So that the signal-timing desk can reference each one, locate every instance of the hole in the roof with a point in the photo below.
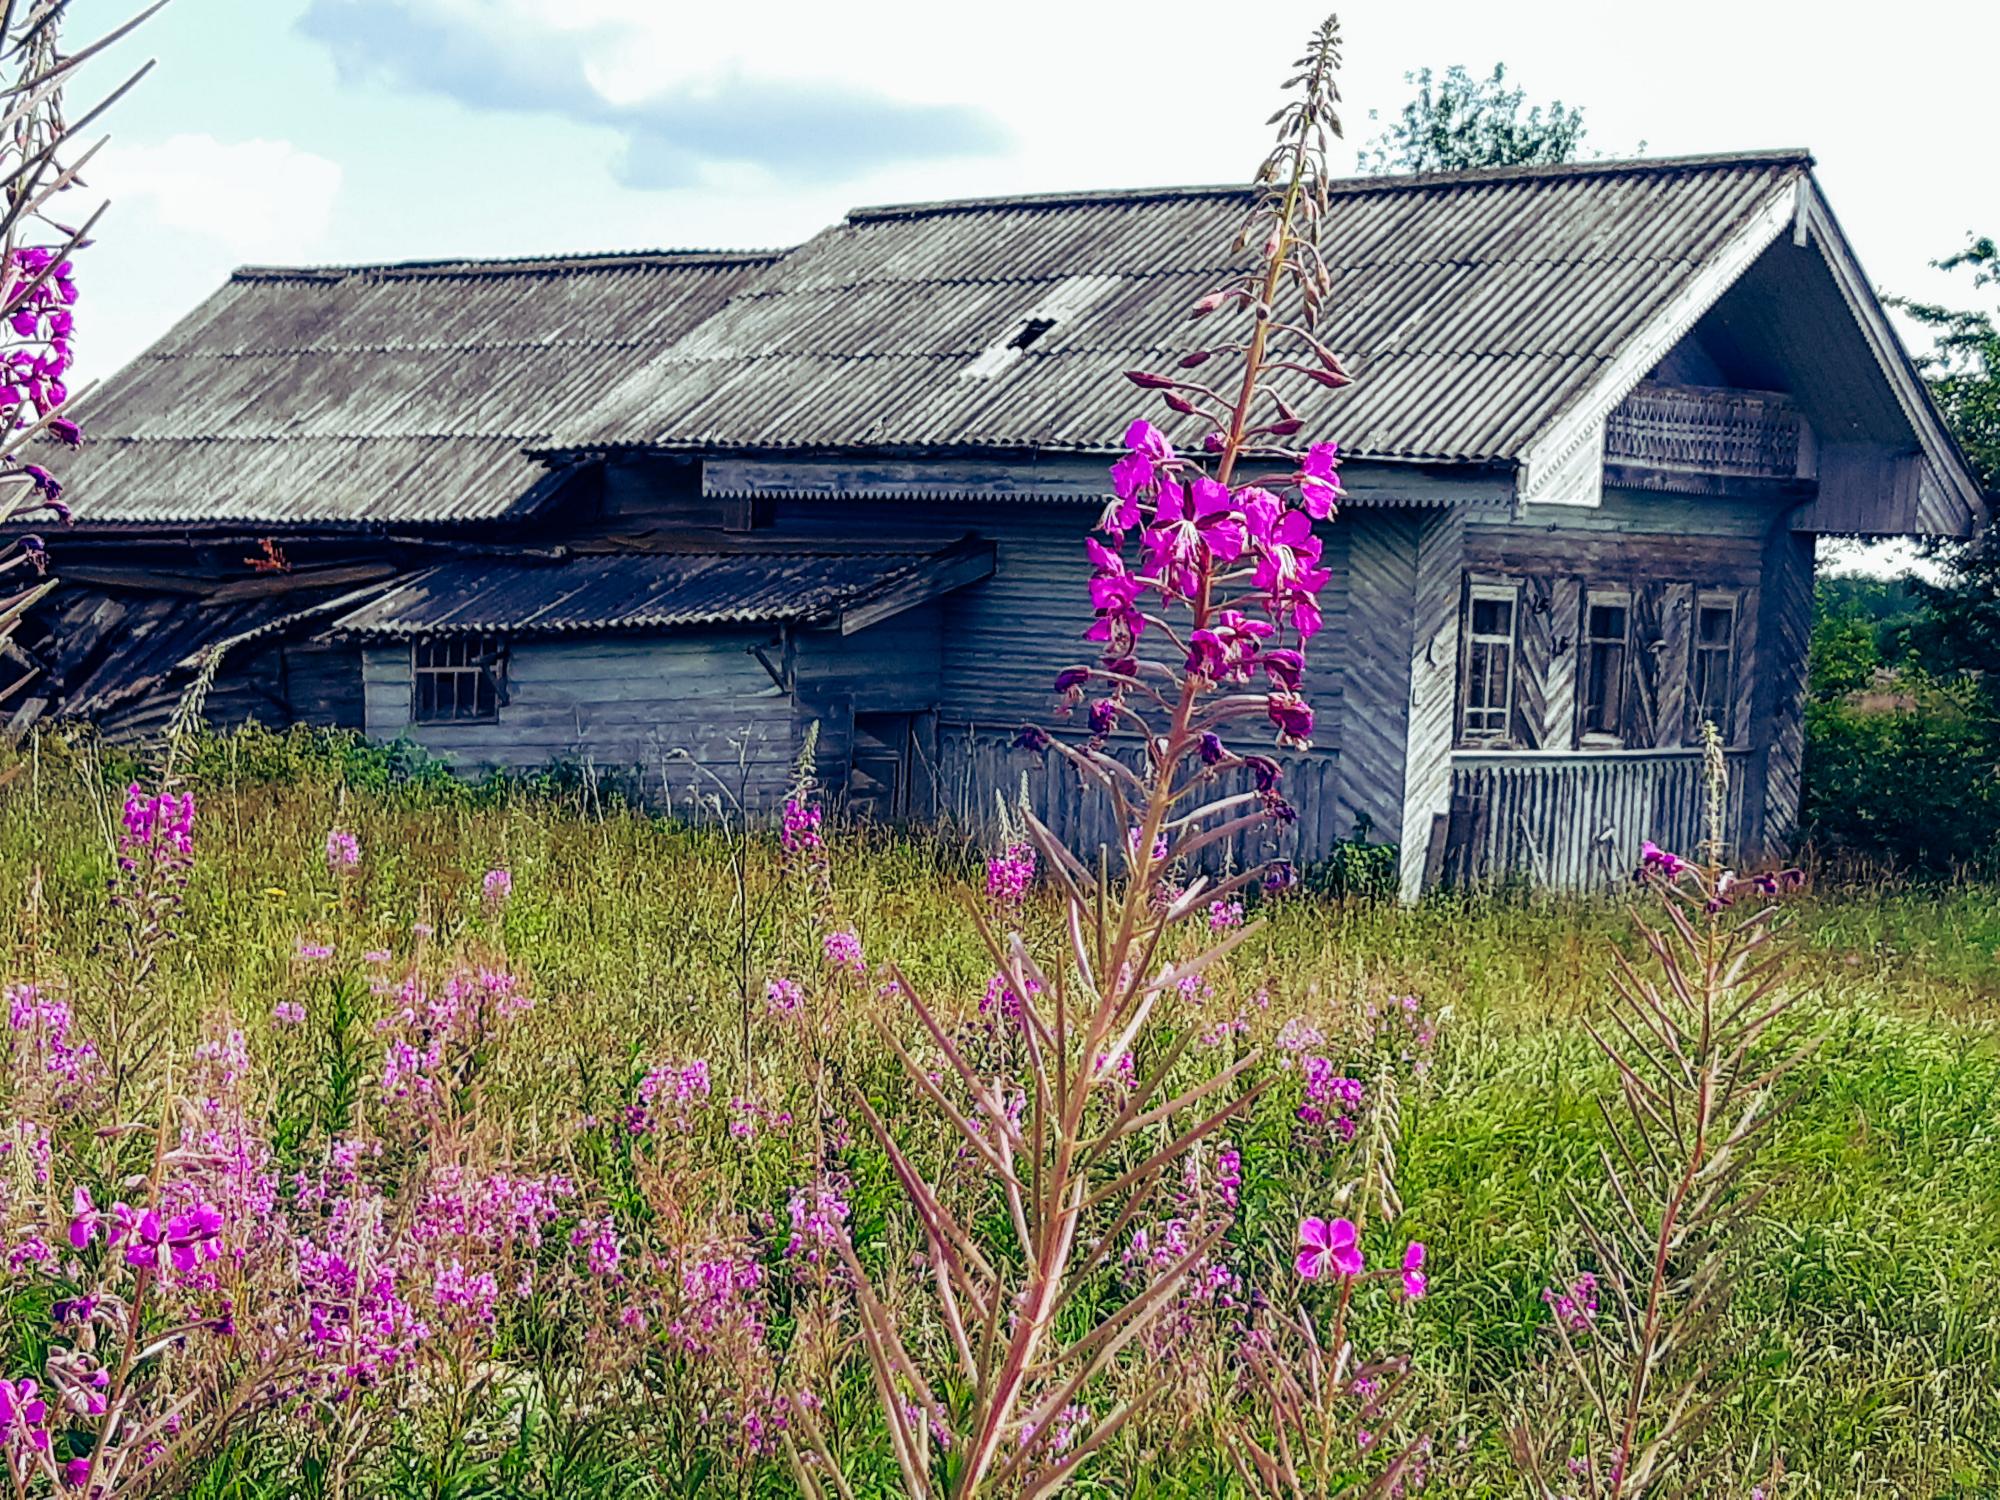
(1031, 330)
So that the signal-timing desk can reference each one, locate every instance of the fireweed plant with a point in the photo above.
(1702, 1040)
(1206, 577)
(43, 155)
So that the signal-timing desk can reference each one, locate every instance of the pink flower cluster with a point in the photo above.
(1009, 874)
(671, 1091)
(40, 290)
(186, 1241)
(159, 825)
(497, 886)
(1244, 558)
(783, 997)
(1575, 1307)
(41, 1043)
(427, 1028)
(343, 850)
(843, 951)
(1328, 1096)
(819, 1218)
(799, 832)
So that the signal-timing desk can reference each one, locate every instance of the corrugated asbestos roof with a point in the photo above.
(1470, 307)
(380, 394)
(628, 592)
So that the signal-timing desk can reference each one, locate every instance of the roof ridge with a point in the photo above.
(509, 265)
(1608, 167)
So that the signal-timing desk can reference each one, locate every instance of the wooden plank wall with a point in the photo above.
(1005, 639)
(892, 667)
(1786, 626)
(975, 763)
(1381, 589)
(1432, 678)
(1576, 822)
(633, 707)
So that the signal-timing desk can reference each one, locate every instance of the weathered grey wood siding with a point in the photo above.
(323, 685)
(1004, 640)
(1541, 808)
(1577, 821)
(666, 711)
(974, 763)
(893, 667)
(1779, 707)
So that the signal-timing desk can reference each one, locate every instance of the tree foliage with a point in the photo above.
(1457, 121)
(1963, 368)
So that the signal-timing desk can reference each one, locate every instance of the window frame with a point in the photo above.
(1489, 592)
(1731, 602)
(1602, 598)
(481, 658)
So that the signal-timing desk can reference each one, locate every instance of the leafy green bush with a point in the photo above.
(1915, 783)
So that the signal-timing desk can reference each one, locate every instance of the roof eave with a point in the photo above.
(1563, 463)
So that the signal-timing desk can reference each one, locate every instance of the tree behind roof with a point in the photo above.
(1457, 122)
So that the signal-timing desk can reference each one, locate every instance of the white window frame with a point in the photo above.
(1602, 598)
(1732, 602)
(1508, 594)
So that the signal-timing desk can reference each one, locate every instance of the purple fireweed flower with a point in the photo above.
(783, 997)
(313, 953)
(1229, 1174)
(799, 833)
(343, 851)
(497, 886)
(1319, 485)
(66, 432)
(1032, 737)
(1415, 1283)
(45, 482)
(83, 1219)
(1223, 915)
(1143, 437)
(288, 1012)
(1009, 874)
(819, 1217)
(1285, 668)
(1576, 1307)
(843, 951)
(1653, 857)
(1328, 1245)
(1103, 716)
(1293, 717)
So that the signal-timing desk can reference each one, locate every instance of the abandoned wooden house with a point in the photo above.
(660, 513)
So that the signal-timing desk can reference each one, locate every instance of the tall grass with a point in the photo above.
(1862, 1338)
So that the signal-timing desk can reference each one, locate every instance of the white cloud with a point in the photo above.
(256, 200)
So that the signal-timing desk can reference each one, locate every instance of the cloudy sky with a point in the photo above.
(343, 130)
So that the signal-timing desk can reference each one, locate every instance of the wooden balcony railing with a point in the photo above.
(1704, 431)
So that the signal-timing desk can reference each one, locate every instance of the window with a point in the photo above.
(1489, 661)
(457, 679)
(1712, 663)
(1607, 641)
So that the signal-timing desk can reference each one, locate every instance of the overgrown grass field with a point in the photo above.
(1861, 1349)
